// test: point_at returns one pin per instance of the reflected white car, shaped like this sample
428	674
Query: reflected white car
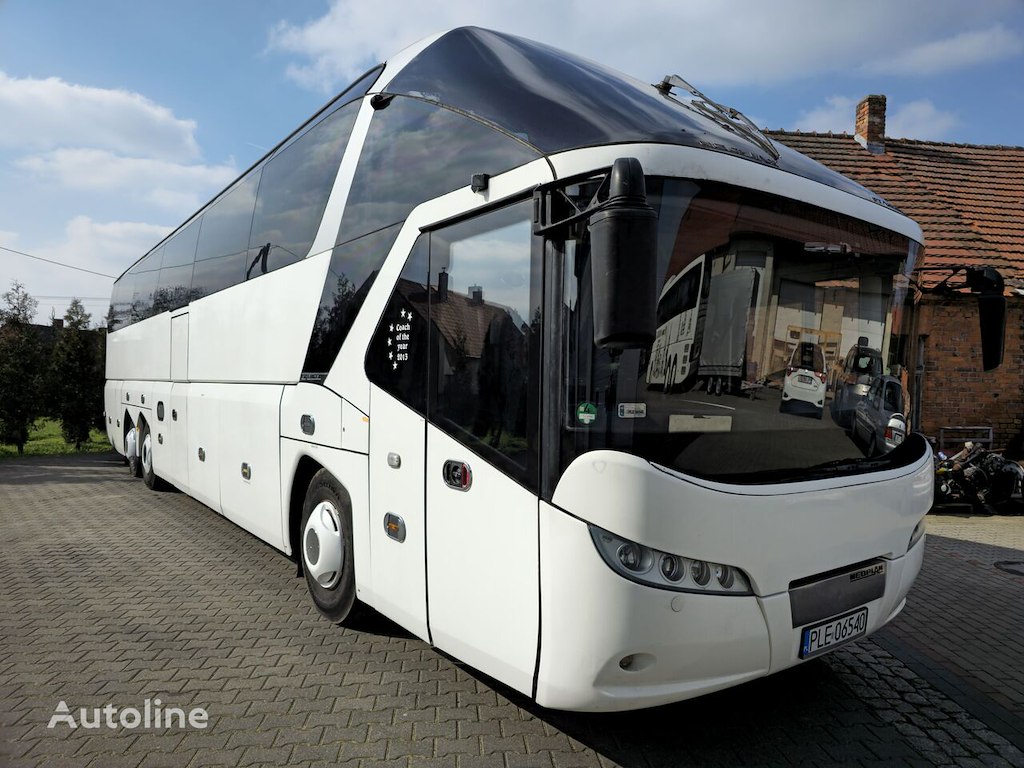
803	386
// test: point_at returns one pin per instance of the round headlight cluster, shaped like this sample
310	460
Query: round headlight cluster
668	571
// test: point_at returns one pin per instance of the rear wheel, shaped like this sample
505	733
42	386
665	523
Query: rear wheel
326	543
131	450
149	476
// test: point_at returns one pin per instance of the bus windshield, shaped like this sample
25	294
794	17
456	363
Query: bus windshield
761	300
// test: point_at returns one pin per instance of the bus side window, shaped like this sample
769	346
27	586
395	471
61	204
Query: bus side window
396	360
353	267
145	276
175	288
484	337
415	151
224	238
293	193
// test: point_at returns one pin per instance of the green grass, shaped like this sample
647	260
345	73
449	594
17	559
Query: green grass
45	439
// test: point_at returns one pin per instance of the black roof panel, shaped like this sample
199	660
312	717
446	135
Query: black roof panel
556	101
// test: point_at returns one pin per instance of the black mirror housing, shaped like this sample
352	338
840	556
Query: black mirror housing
623	255
987	283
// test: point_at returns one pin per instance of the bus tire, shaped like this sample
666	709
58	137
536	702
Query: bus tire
326	548
131	450
145	459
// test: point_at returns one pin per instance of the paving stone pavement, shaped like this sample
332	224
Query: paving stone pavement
112	594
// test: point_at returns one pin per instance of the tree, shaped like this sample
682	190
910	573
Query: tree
21	366
21	307
78	393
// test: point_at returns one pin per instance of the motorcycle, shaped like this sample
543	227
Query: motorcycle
976	476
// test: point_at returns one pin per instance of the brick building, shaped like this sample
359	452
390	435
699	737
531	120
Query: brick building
969	200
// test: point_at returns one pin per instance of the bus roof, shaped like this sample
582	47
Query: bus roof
557	101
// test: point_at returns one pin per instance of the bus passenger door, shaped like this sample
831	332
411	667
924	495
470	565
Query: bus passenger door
482	563
397	522
482	504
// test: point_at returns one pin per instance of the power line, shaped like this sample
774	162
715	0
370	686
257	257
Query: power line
68	298
51	261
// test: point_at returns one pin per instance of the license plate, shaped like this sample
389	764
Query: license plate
897	438
819	638
804	379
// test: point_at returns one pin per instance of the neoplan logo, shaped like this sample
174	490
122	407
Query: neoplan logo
864	573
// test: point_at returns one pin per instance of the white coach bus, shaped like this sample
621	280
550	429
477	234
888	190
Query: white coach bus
408	349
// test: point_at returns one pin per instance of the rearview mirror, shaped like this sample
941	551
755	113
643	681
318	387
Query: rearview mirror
988	284
623	256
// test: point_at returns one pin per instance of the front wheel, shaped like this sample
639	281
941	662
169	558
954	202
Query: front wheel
327	557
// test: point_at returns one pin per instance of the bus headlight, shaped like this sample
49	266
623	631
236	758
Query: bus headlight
676	572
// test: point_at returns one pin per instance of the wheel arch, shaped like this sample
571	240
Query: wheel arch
305	471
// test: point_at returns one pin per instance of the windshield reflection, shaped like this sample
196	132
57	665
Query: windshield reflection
779	344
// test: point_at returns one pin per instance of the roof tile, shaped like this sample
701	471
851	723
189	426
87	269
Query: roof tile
968	199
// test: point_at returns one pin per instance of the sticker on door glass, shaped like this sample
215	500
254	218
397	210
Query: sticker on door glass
586	413
398	340
632	410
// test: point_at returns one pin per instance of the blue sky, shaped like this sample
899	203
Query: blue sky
119	118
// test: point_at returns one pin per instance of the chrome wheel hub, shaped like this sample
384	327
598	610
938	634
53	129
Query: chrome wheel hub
147	453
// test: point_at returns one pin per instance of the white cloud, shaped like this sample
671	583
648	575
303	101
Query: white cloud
171	186
105	247
709	42
836	115
52	113
952	53
921	120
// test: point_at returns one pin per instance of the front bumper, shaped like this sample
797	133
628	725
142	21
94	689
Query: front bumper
609	644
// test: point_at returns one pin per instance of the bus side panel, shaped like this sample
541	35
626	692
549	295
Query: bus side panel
311	413
175	468
351	470
141	351
179	347
397	459
202	418
243	323
482	565
249	458
159	424
113	410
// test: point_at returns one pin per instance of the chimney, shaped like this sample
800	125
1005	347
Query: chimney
870	129
476	294
442	286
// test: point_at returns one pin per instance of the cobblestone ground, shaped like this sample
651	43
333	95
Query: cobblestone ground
112	594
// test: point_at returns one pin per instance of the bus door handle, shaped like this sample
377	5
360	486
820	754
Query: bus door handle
457	475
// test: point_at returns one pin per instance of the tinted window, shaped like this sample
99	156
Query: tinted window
349	277
484	337
397	357
415	151
224	239
174	289
557	101
120	303
143	287
145	276
181	248
293	193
